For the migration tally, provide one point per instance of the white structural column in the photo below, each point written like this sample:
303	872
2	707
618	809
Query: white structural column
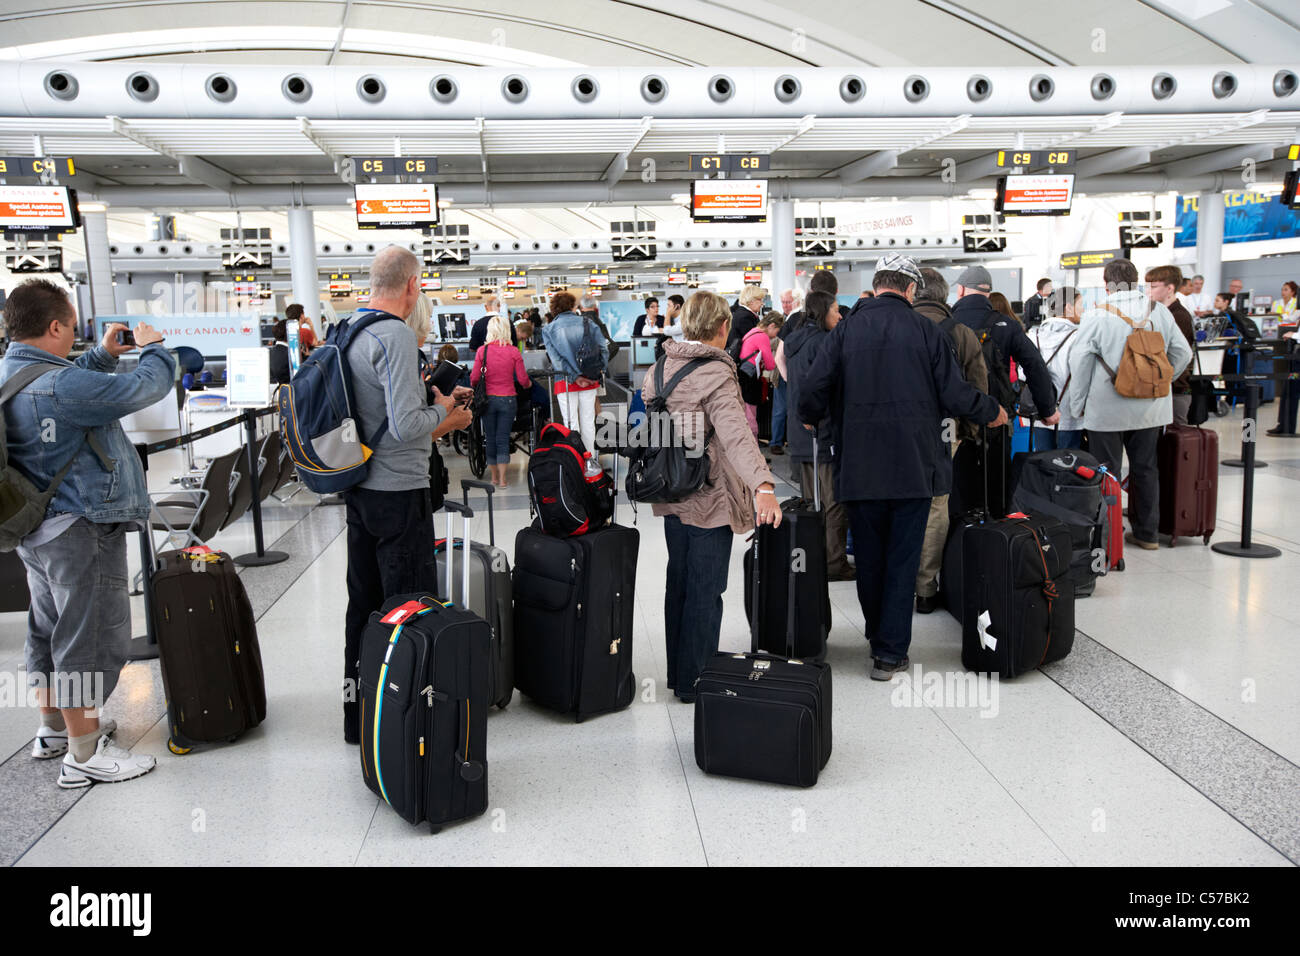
782	216
99	264
1209	239
302	262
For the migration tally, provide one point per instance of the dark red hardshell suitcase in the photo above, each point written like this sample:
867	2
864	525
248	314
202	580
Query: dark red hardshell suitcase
1188	459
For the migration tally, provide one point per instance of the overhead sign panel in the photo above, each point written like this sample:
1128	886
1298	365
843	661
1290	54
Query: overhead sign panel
1093	259
1035	195
38	209
729	200
395	165
396	205
1035	158
710	163
35	166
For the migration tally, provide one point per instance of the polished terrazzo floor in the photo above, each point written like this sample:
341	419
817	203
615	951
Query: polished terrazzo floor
1170	736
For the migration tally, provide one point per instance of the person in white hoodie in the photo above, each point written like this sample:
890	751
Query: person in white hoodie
1054	336
1116	424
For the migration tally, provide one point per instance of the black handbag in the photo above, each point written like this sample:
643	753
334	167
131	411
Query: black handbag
480	388
661	469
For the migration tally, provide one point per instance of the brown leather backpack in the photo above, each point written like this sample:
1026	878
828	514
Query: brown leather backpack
1144	368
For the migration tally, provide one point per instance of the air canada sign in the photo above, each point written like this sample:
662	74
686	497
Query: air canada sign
213	334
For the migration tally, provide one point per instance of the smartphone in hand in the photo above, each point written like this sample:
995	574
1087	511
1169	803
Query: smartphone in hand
126	337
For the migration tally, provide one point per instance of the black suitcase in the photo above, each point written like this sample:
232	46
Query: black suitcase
489	595
762	717
207	648
426	686
787	593
1017	595
574	606
1008	582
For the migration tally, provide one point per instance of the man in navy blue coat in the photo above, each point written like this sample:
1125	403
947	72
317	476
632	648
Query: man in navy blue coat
887	378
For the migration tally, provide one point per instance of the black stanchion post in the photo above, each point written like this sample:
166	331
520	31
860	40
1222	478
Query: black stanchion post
1251	414
261	556
1245	548
146	648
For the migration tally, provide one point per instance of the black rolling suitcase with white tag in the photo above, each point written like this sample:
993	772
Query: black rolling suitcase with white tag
490	595
574	607
787	590
426	686
207	648
1009	583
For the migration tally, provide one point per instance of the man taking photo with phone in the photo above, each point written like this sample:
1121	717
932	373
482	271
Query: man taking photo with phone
63	421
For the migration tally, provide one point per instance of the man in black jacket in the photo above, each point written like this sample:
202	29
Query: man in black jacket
887	379
1033	313
478	334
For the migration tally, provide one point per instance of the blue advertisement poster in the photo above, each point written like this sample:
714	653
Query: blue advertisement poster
1247	217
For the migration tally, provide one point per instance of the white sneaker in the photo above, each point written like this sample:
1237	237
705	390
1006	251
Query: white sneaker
54	743
109	764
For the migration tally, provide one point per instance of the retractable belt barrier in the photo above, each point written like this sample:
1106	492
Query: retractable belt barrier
146	647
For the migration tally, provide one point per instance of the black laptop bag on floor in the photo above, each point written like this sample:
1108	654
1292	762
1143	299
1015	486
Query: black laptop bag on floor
762	717
425	677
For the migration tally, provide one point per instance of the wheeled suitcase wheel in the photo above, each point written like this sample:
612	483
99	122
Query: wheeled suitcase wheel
176	748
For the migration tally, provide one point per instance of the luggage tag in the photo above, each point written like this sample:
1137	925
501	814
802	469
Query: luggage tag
404	612
987	640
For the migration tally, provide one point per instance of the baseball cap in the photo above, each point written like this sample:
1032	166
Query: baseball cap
904	264
976	277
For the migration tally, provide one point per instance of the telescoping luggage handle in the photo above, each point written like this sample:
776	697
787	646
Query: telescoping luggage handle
455	507
465	485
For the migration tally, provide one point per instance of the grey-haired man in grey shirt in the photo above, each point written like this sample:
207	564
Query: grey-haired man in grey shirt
389	518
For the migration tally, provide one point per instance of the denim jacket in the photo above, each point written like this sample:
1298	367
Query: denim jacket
563	337
47	420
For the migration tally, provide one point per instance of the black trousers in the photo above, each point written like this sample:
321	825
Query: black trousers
887	538
390	552
1143	473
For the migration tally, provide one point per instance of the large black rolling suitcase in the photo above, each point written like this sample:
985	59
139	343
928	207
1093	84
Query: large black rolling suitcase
763	718
489	595
207	648
574	607
1017	594
1007	580
426	686
787	591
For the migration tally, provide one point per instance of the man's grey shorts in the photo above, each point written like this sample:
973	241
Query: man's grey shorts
79	625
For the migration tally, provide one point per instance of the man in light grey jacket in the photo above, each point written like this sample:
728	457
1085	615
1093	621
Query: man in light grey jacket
389	514
1116	424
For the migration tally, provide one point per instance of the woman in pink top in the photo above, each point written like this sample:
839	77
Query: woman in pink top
505	367
757	345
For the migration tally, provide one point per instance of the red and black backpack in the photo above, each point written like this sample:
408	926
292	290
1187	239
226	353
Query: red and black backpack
566	500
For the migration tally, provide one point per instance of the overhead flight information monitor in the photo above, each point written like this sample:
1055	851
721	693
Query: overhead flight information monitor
1035	195
729	200
396	205
38	209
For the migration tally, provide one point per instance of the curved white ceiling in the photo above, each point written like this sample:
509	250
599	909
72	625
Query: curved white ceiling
644	32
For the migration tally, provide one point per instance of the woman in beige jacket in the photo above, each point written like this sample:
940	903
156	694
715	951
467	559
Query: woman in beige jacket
709	413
